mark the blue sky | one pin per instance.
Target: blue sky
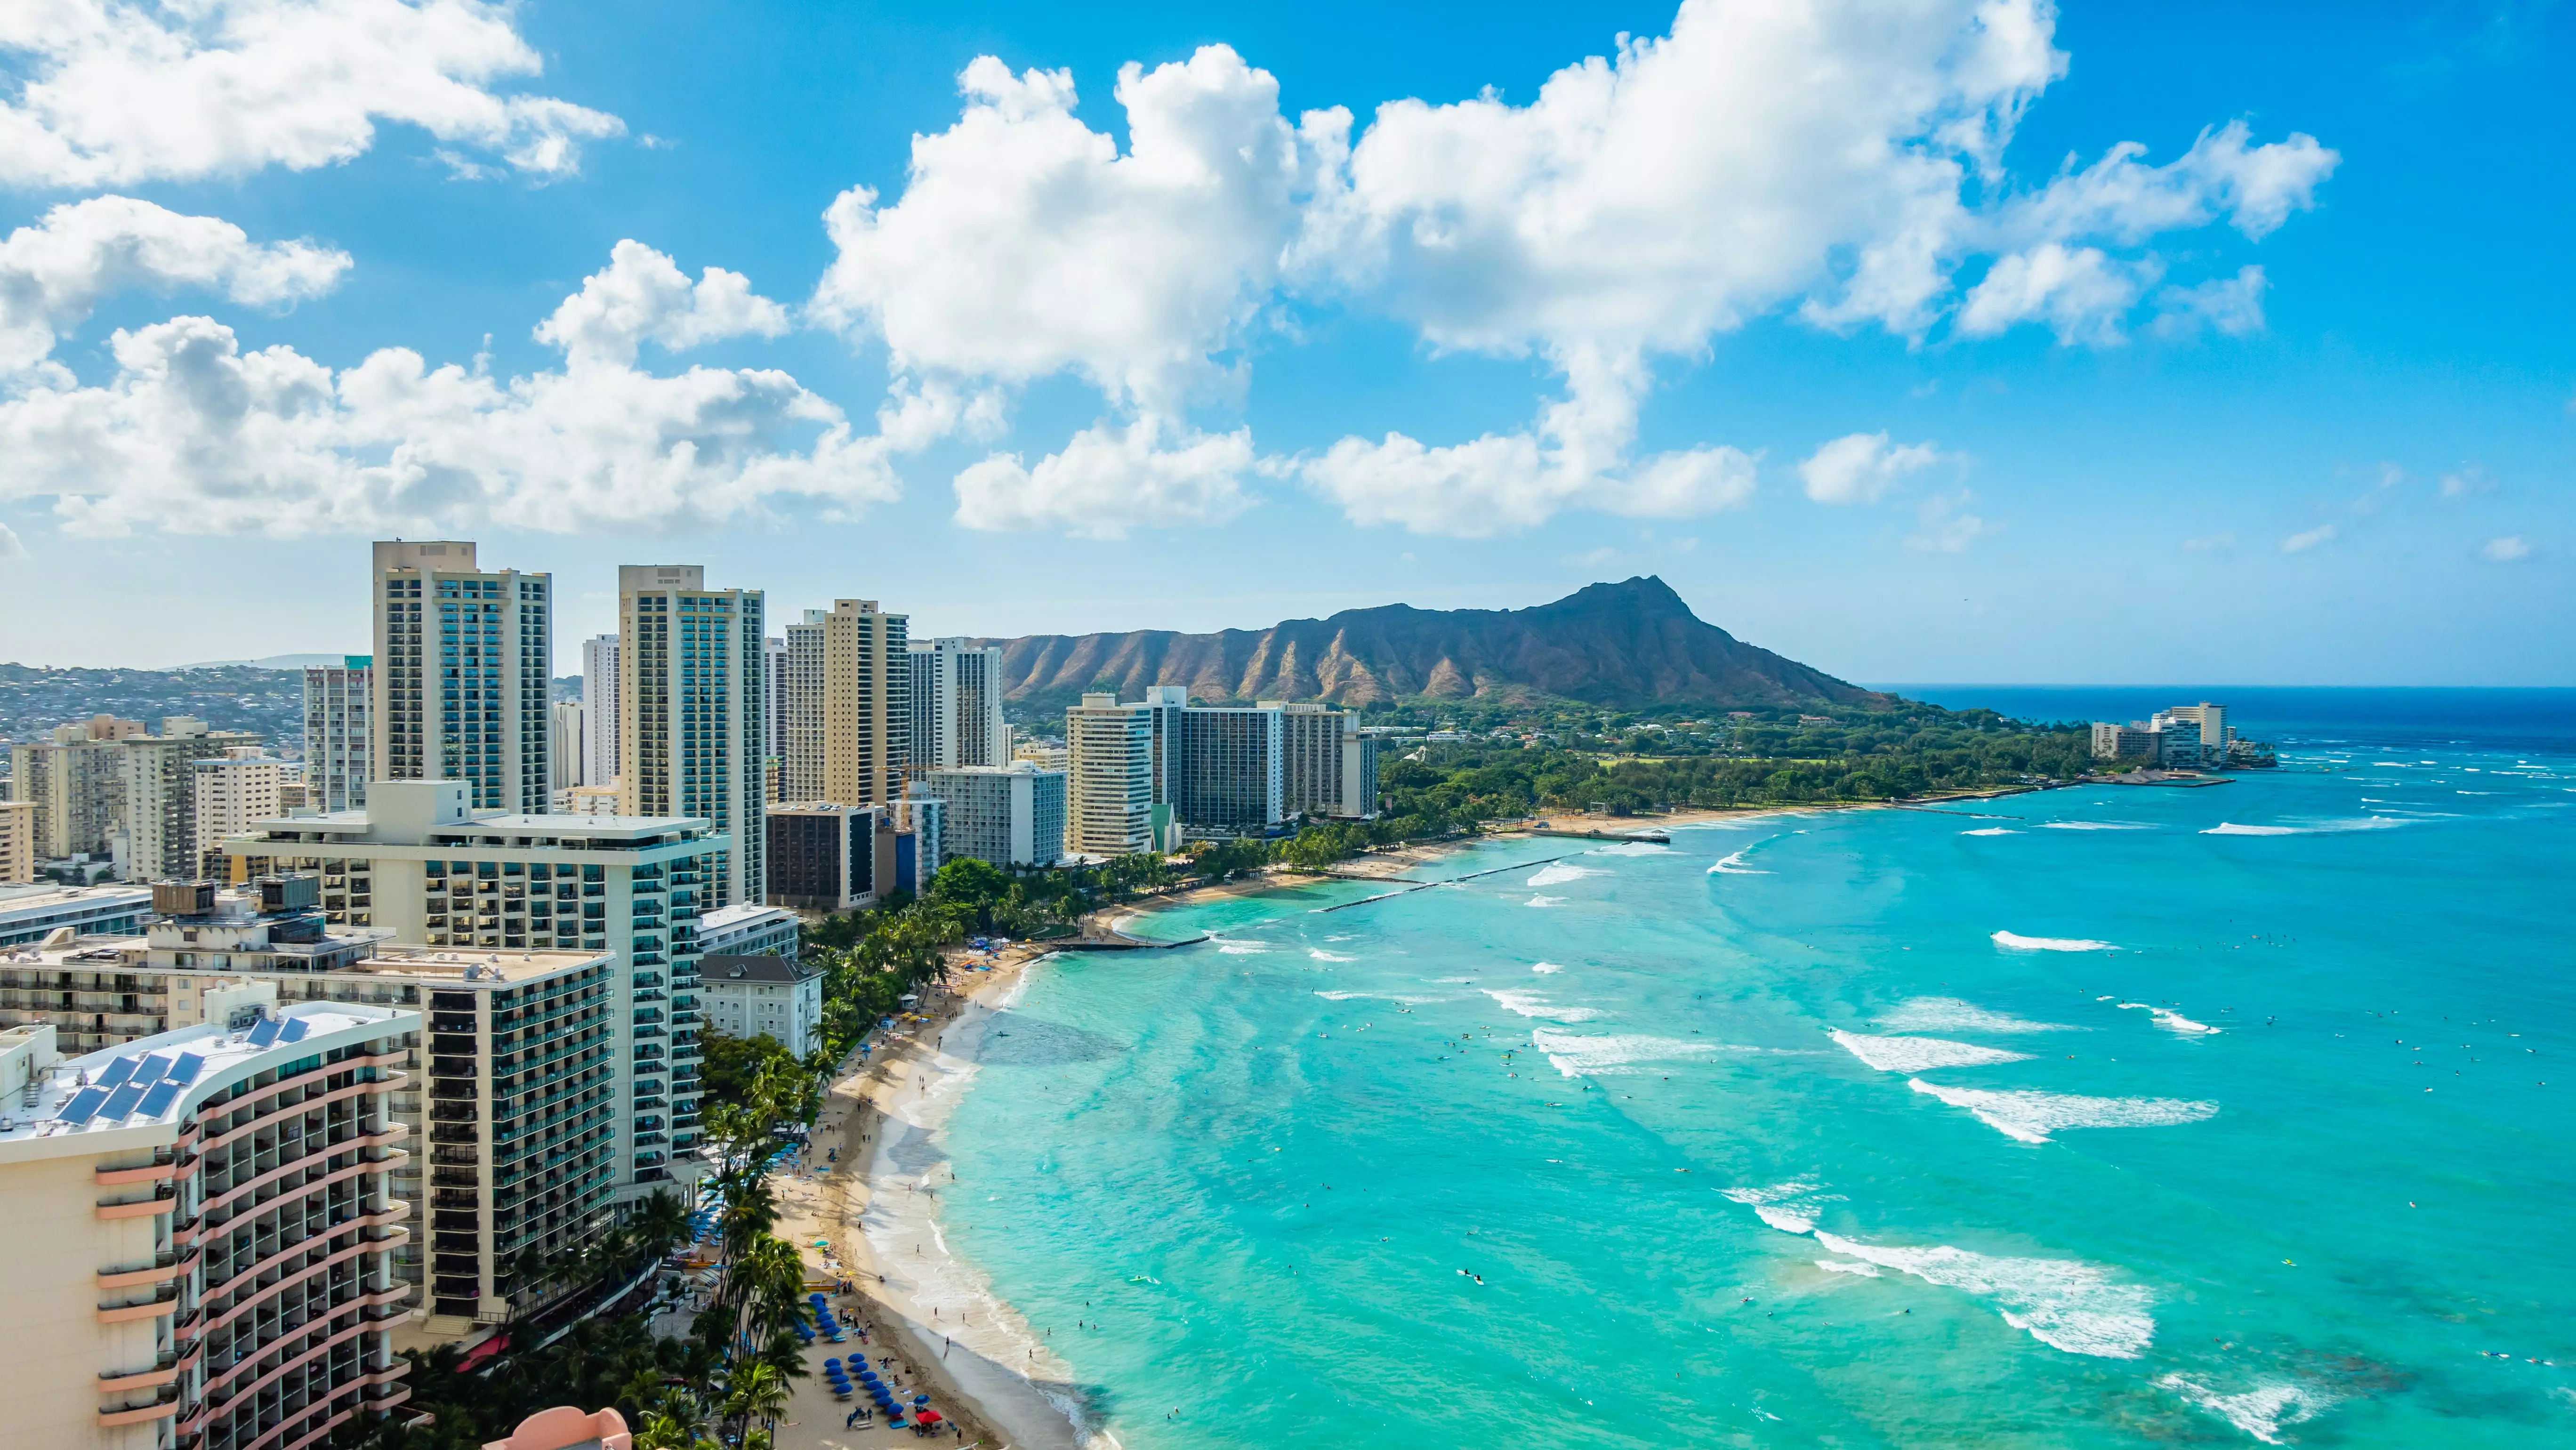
(1632, 330)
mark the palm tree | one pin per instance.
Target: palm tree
(756, 1390)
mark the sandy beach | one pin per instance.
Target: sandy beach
(983, 1367)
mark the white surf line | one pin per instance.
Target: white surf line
(1007, 1370)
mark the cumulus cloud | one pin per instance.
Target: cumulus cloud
(2231, 305)
(642, 295)
(1862, 467)
(1025, 244)
(1840, 160)
(1943, 525)
(54, 272)
(2300, 543)
(193, 434)
(115, 93)
(2507, 550)
(1110, 479)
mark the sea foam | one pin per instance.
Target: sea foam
(1789, 1207)
(1544, 901)
(1845, 1266)
(2063, 1303)
(1531, 1004)
(1949, 1014)
(2032, 1116)
(1321, 955)
(1634, 848)
(1546, 969)
(1233, 948)
(1991, 831)
(1919, 1054)
(2094, 826)
(1576, 1055)
(2260, 1411)
(2014, 941)
(2172, 1021)
(1560, 873)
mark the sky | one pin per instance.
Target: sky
(1917, 339)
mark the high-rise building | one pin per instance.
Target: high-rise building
(846, 721)
(571, 766)
(1228, 773)
(424, 867)
(1328, 768)
(599, 690)
(159, 815)
(1009, 815)
(17, 842)
(1112, 807)
(920, 840)
(773, 662)
(823, 857)
(462, 674)
(234, 790)
(338, 740)
(799, 708)
(956, 716)
(201, 1231)
(76, 782)
(692, 712)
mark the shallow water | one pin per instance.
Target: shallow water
(1897, 1132)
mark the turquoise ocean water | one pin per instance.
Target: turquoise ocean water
(2236, 1133)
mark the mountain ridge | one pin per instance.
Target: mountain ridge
(1630, 644)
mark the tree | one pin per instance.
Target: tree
(968, 881)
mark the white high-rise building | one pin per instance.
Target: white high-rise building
(599, 707)
(158, 818)
(692, 713)
(572, 736)
(337, 741)
(957, 706)
(1009, 815)
(773, 658)
(463, 656)
(234, 790)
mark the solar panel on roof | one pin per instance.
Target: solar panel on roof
(121, 1102)
(184, 1071)
(149, 1070)
(294, 1030)
(117, 1072)
(84, 1105)
(264, 1034)
(158, 1100)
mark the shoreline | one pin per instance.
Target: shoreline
(983, 1365)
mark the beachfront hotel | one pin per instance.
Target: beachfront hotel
(438, 874)
(200, 1231)
(692, 702)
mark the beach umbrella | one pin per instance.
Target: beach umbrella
(921, 1399)
(928, 1417)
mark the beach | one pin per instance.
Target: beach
(987, 1371)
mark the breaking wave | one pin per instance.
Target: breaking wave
(1321, 955)
(1575, 1055)
(1919, 1054)
(2172, 1021)
(1991, 831)
(1546, 969)
(2094, 826)
(1949, 1014)
(1234, 948)
(2319, 828)
(1634, 848)
(1531, 1004)
(2013, 941)
(2260, 1411)
(1560, 873)
(1789, 1207)
(2063, 1303)
(1846, 1266)
(1544, 901)
(2032, 1116)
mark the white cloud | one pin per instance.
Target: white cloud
(1862, 467)
(115, 94)
(642, 295)
(2507, 550)
(2467, 479)
(1504, 483)
(10, 548)
(2081, 294)
(194, 435)
(1110, 479)
(1025, 244)
(1944, 526)
(2210, 543)
(2300, 543)
(54, 272)
(2232, 305)
(1760, 157)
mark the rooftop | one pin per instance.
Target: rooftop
(149, 1081)
(129, 953)
(715, 971)
(724, 916)
(486, 968)
(16, 901)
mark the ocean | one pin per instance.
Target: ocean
(2108, 1116)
